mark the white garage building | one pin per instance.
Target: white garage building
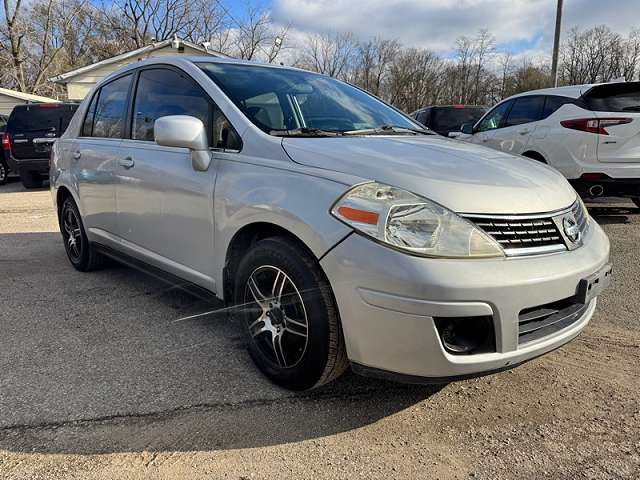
(78, 82)
(11, 98)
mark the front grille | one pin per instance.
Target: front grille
(521, 233)
(530, 234)
(541, 321)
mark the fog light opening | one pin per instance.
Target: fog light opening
(466, 335)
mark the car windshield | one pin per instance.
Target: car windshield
(279, 100)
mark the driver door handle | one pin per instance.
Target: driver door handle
(524, 131)
(77, 155)
(127, 162)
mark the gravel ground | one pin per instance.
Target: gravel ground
(101, 377)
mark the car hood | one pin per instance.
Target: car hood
(463, 177)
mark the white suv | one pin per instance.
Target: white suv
(590, 133)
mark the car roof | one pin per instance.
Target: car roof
(572, 91)
(177, 59)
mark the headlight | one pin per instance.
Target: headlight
(411, 223)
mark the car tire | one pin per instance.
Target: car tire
(81, 253)
(4, 172)
(636, 201)
(30, 179)
(286, 307)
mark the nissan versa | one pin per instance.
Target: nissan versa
(341, 231)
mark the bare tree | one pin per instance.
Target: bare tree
(330, 54)
(14, 33)
(374, 59)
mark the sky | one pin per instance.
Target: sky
(521, 27)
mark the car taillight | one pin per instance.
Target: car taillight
(6, 142)
(594, 125)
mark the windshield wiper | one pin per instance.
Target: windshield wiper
(305, 132)
(389, 130)
(633, 108)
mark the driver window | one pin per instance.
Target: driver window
(495, 118)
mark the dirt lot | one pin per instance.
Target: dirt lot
(101, 377)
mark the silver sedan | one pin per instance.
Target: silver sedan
(338, 230)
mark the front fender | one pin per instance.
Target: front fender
(297, 202)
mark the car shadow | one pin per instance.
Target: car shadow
(117, 361)
(614, 214)
(14, 184)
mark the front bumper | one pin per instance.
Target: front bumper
(387, 301)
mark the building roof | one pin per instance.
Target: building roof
(66, 77)
(27, 97)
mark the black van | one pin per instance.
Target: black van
(31, 130)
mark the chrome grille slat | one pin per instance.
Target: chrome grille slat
(521, 233)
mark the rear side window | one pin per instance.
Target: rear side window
(87, 126)
(525, 109)
(109, 116)
(553, 103)
(614, 97)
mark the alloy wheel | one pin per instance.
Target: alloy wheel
(276, 316)
(3, 172)
(72, 233)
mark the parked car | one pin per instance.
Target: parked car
(448, 119)
(338, 228)
(590, 133)
(31, 129)
(4, 168)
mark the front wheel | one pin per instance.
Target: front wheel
(287, 309)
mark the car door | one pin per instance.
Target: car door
(487, 131)
(94, 155)
(521, 123)
(165, 207)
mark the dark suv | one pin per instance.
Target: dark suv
(448, 118)
(31, 130)
(4, 168)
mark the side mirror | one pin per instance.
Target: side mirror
(467, 128)
(454, 134)
(186, 132)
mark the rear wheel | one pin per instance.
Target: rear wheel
(288, 312)
(30, 179)
(82, 255)
(4, 172)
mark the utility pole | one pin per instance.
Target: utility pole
(556, 44)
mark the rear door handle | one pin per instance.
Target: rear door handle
(524, 132)
(127, 162)
(77, 155)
